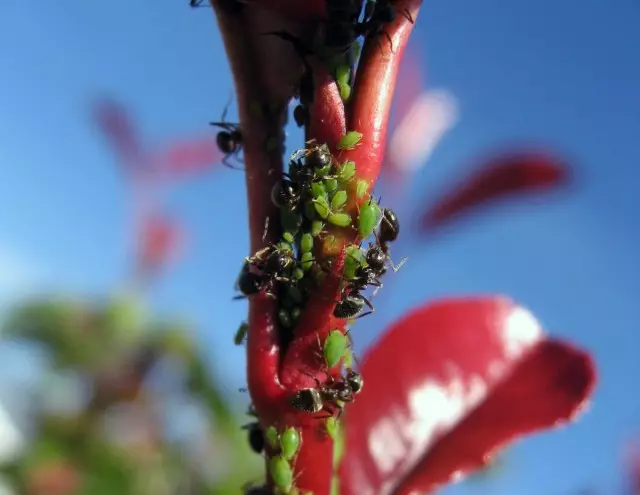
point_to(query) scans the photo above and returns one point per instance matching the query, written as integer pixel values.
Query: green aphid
(294, 293)
(272, 143)
(284, 247)
(353, 261)
(346, 172)
(289, 443)
(368, 218)
(361, 188)
(241, 333)
(295, 315)
(288, 237)
(298, 273)
(272, 437)
(306, 261)
(330, 185)
(338, 445)
(348, 358)
(290, 221)
(285, 319)
(281, 473)
(318, 190)
(338, 200)
(332, 427)
(323, 172)
(331, 246)
(345, 91)
(342, 74)
(349, 140)
(321, 206)
(340, 219)
(310, 210)
(255, 109)
(306, 243)
(287, 302)
(316, 227)
(334, 348)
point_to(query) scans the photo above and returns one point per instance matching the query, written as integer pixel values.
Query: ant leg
(368, 303)
(394, 267)
(237, 298)
(362, 315)
(226, 107)
(223, 125)
(225, 162)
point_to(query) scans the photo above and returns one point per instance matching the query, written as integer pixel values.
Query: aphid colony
(313, 194)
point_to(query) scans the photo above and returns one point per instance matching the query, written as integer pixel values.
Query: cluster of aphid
(311, 195)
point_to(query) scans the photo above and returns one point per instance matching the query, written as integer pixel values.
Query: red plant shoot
(306, 268)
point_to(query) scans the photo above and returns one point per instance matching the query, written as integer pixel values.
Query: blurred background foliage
(103, 417)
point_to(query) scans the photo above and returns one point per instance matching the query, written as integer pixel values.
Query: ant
(388, 231)
(229, 139)
(272, 263)
(351, 304)
(329, 397)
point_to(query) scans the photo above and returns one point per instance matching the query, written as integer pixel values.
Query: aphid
(281, 473)
(241, 333)
(349, 140)
(289, 443)
(351, 305)
(272, 437)
(334, 348)
(368, 218)
(285, 194)
(256, 436)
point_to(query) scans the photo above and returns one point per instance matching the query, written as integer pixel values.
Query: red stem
(266, 77)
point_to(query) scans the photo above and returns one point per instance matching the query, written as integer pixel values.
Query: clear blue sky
(562, 73)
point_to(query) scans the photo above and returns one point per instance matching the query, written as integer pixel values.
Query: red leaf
(160, 240)
(190, 156)
(114, 122)
(507, 174)
(450, 383)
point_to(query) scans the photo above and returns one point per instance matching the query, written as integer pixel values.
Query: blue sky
(561, 73)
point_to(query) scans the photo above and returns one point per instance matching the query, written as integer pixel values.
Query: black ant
(272, 264)
(229, 140)
(285, 194)
(388, 231)
(329, 397)
(351, 304)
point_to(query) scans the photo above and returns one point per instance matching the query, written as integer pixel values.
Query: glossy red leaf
(449, 384)
(190, 156)
(507, 174)
(113, 120)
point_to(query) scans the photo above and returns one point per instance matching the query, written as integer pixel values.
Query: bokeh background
(562, 75)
